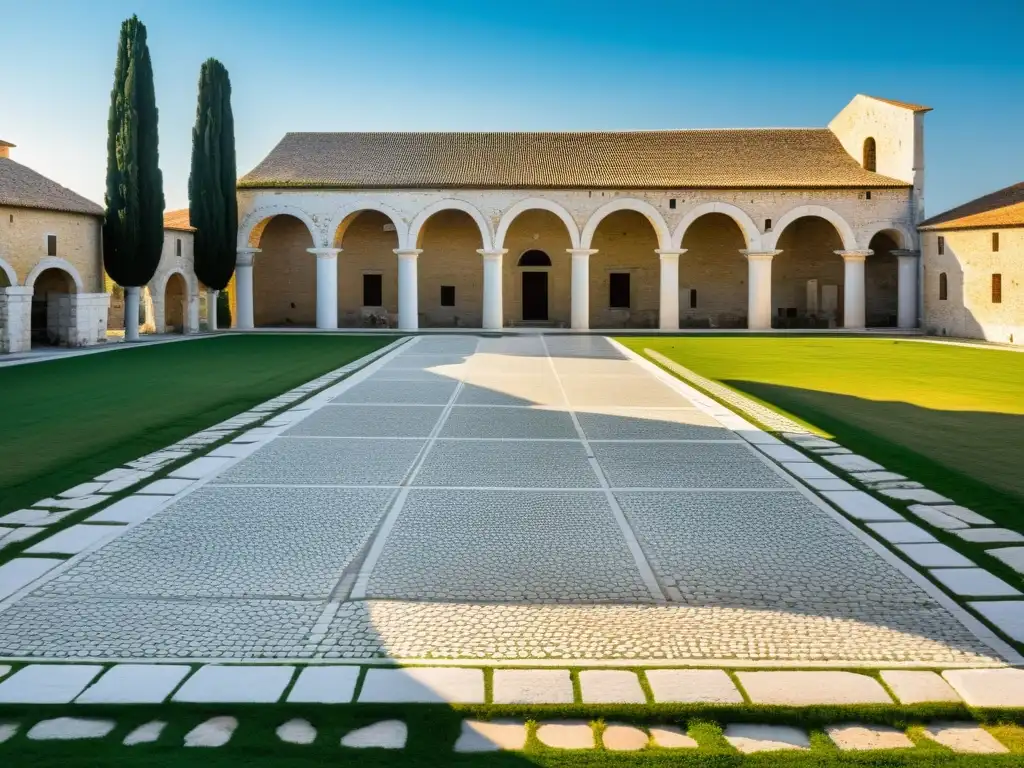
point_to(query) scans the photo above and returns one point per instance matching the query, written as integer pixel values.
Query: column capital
(905, 253)
(17, 290)
(495, 253)
(581, 251)
(324, 253)
(670, 253)
(408, 253)
(244, 256)
(759, 255)
(854, 255)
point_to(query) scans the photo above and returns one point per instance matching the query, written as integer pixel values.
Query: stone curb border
(758, 440)
(21, 576)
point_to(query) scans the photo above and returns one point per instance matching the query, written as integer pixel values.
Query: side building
(974, 269)
(51, 263)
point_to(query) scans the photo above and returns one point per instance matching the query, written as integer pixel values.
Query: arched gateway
(643, 229)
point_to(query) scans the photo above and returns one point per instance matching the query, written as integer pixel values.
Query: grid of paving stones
(477, 492)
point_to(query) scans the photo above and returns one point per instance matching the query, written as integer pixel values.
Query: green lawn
(950, 417)
(65, 421)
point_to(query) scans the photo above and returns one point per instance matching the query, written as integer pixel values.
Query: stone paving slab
(918, 687)
(922, 495)
(70, 729)
(47, 683)
(933, 516)
(523, 423)
(670, 737)
(19, 534)
(168, 486)
(22, 571)
(75, 539)
(807, 470)
(398, 392)
(145, 734)
(491, 736)
(934, 555)
(990, 535)
(988, 687)
(36, 517)
(368, 421)
(230, 684)
(861, 506)
(609, 686)
(690, 686)
(532, 686)
(618, 737)
(135, 684)
(973, 582)
(607, 423)
(685, 465)
(387, 734)
(432, 685)
(1012, 556)
(957, 512)
(858, 738)
(566, 734)
(132, 509)
(902, 533)
(296, 731)
(325, 685)
(968, 738)
(783, 453)
(802, 689)
(507, 464)
(215, 732)
(200, 468)
(853, 463)
(750, 738)
(1008, 615)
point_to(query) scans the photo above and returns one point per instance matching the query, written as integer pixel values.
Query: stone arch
(250, 231)
(642, 207)
(416, 228)
(174, 295)
(7, 272)
(713, 273)
(284, 273)
(345, 215)
(870, 154)
(53, 262)
(746, 224)
(897, 231)
(191, 282)
(844, 230)
(537, 203)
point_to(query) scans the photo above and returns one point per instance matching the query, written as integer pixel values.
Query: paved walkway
(529, 497)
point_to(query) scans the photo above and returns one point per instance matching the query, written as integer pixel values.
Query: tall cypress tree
(133, 229)
(213, 208)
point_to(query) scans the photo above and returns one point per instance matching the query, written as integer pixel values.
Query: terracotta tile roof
(22, 187)
(179, 219)
(744, 158)
(904, 104)
(1003, 208)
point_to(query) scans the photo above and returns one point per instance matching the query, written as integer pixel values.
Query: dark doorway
(535, 296)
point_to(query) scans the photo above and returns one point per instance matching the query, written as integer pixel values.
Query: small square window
(867, 195)
(693, 298)
(672, 203)
(767, 224)
(995, 241)
(997, 289)
(447, 295)
(177, 246)
(942, 245)
(373, 290)
(51, 245)
(618, 290)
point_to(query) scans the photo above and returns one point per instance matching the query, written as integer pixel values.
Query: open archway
(713, 274)
(808, 276)
(367, 269)
(284, 273)
(175, 304)
(51, 311)
(450, 269)
(625, 272)
(881, 281)
(537, 270)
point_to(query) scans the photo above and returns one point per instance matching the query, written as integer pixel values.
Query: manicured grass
(950, 417)
(66, 421)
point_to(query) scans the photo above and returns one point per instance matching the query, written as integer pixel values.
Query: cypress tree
(213, 209)
(133, 229)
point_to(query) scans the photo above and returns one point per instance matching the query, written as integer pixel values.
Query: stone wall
(969, 263)
(284, 275)
(23, 242)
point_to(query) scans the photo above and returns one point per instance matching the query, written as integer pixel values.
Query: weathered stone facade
(969, 264)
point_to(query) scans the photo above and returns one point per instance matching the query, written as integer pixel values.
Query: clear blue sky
(335, 65)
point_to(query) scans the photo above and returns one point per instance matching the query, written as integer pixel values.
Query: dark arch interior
(534, 258)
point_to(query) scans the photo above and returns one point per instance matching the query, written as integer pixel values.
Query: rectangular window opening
(693, 298)
(942, 245)
(618, 290)
(177, 246)
(995, 241)
(997, 288)
(373, 290)
(447, 295)
(767, 224)
(867, 195)
(51, 245)
(672, 202)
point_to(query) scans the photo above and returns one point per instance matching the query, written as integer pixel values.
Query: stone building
(754, 228)
(974, 268)
(171, 301)
(51, 264)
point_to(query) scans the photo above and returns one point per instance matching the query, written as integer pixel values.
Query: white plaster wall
(171, 263)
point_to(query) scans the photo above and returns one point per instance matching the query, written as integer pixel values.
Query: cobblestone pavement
(505, 498)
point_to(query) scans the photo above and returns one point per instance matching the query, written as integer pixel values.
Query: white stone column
(493, 315)
(15, 319)
(192, 314)
(131, 313)
(759, 289)
(326, 286)
(668, 304)
(408, 288)
(212, 296)
(906, 308)
(854, 297)
(579, 302)
(243, 319)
